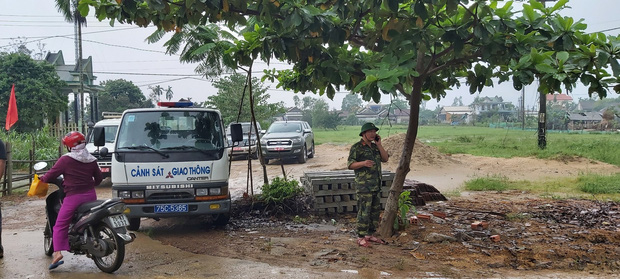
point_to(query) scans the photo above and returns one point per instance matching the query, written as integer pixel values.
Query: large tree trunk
(386, 228)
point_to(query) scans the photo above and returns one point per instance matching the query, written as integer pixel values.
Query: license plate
(105, 169)
(279, 149)
(237, 148)
(171, 208)
(118, 221)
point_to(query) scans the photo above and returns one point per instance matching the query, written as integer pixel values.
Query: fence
(15, 176)
(58, 131)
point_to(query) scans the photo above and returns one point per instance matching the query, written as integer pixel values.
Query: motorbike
(98, 229)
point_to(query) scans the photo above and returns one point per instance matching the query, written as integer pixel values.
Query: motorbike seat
(87, 206)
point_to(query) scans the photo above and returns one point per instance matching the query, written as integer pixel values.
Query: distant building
(70, 74)
(561, 100)
(367, 115)
(584, 120)
(586, 105)
(495, 104)
(454, 115)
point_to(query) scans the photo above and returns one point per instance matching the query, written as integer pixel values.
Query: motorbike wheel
(114, 260)
(48, 245)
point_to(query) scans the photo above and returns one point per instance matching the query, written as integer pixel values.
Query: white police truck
(171, 161)
(110, 124)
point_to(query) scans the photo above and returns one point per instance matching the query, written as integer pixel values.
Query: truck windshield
(284, 127)
(110, 133)
(171, 129)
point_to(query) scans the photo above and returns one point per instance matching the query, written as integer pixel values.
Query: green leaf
(529, 13)
(558, 5)
(602, 59)
(84, 9)
(420, 9)
(452, 7)
(615, 66)
(393, 5)
(546, 68)
(562, 56)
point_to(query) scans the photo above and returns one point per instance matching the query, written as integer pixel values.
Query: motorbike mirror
(39, 166)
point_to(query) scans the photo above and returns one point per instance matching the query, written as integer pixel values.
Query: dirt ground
(538, 238)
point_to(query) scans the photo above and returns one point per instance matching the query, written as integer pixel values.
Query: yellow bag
(38, 188)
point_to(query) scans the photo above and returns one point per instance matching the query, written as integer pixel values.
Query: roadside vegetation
(506, 143)
(489, 142)
(45, 144)
(585, 186)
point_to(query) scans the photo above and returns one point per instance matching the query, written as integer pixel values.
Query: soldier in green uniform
(365, 159)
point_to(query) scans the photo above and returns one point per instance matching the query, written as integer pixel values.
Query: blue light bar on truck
(175, 104)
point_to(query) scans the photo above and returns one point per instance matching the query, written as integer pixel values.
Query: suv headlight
(297, 140)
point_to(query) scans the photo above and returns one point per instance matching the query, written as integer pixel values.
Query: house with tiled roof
(455, 114)
(561, 100)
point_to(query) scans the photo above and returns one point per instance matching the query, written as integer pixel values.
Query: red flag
(11, 114)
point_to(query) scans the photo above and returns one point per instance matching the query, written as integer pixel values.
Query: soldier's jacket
(367, 179)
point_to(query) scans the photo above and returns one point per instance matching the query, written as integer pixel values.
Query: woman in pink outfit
(81, 175)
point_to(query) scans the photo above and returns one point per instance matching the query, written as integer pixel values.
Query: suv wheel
(311, 155)
(303, 157)
(266, 161)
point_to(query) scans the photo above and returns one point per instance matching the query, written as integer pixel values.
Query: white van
(171, 161)
(105, 162)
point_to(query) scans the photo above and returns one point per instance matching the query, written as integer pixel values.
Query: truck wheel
(255, 155)
(134, 224)
(303, 157)
(311, 155)
(221, 219)
(266, 161)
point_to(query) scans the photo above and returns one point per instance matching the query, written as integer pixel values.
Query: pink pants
(60, 238)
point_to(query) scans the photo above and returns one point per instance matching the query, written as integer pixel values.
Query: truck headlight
(202, 192)
(215, 191)
(263, 142)
(297, 140)
(124, 194)
(137, 194)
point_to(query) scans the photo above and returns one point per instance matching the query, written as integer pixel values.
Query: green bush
(46, 145)
(489, 183)
(599, 184)
(279, 191)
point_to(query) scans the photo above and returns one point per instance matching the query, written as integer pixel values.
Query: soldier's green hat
(368, 126)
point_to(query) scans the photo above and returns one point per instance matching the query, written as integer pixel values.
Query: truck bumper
(194, 208)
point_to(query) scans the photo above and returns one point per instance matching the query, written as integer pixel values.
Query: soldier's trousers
(368, 210)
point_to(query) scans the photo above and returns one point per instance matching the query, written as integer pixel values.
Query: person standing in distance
(365, 159)
(2, 167)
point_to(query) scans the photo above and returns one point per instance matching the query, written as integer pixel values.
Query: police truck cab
(171, 161)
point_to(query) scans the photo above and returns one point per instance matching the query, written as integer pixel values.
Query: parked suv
(249, 140)
(288, 139)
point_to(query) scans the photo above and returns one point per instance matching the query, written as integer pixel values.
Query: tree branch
(453, 62)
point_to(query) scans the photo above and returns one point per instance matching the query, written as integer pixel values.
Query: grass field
(491, 142)
(505, 143)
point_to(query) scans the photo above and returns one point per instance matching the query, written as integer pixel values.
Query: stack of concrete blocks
(334, 191)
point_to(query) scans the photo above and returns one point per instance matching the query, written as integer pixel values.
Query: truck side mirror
(99, 136)
(103, 152)
(236, 132)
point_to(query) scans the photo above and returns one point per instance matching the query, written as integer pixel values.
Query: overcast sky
(121, 51)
